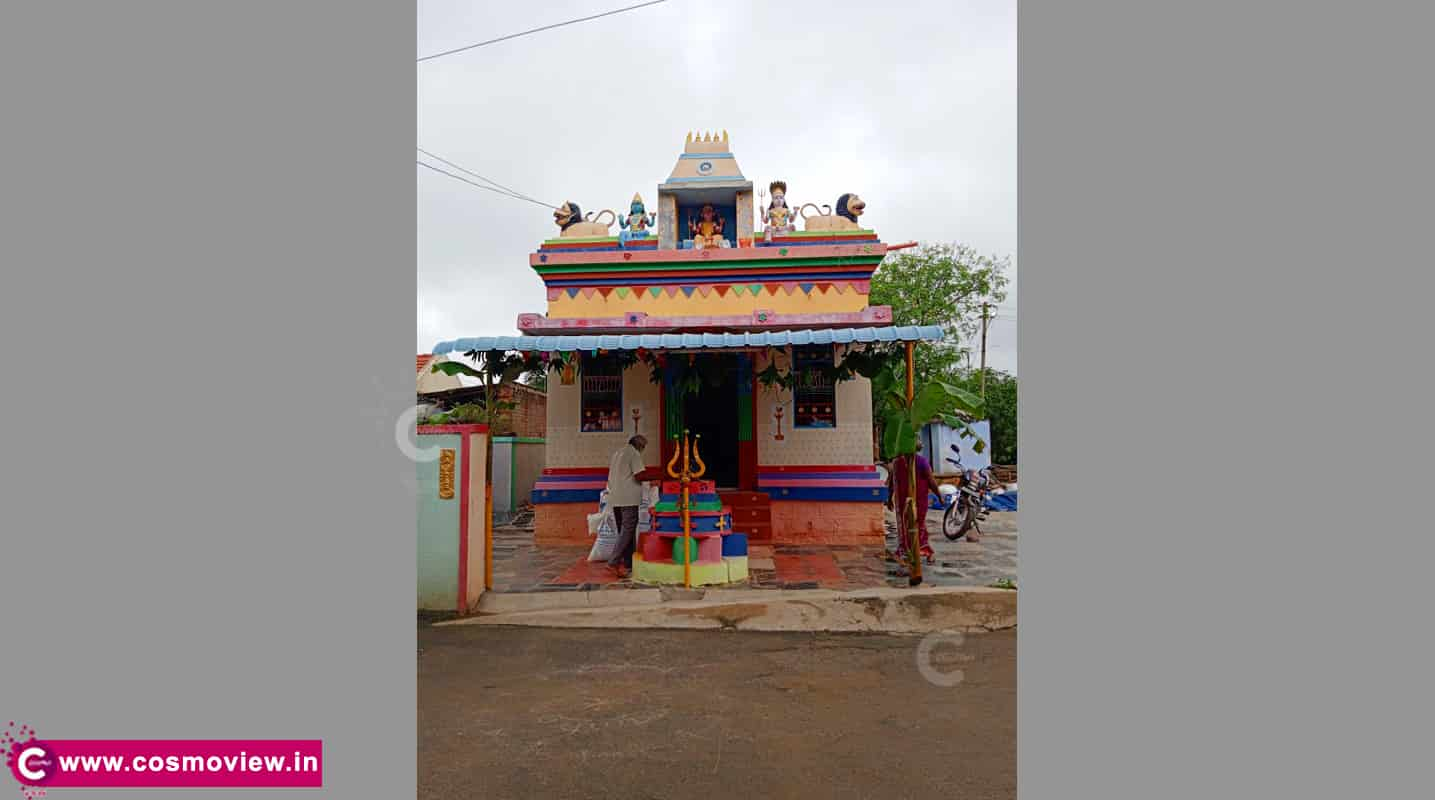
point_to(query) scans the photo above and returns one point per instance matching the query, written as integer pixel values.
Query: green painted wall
(438, 528)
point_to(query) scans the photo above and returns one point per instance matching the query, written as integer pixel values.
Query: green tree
(940, 284)
(1000, 409)
(902, 417)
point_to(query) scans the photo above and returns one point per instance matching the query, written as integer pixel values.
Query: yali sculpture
(571, 222)
(849, 208)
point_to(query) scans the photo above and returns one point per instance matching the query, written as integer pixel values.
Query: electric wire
(536, 30)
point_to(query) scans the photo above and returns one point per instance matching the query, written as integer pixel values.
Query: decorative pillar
(744, 219)
(667, 221)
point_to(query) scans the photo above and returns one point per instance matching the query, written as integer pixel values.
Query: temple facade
(722, 313)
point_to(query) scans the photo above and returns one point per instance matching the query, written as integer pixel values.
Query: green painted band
(715, 505)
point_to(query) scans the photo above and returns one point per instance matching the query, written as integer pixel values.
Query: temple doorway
(713, 413)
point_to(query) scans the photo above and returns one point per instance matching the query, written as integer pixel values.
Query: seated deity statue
(777, 217)
(636, 224)
(708, 229)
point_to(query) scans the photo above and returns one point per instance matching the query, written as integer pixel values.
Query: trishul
(687, 476)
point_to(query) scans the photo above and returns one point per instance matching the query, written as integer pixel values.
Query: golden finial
(708, 136)
(724, 135)
(690, 137)
(637, 198)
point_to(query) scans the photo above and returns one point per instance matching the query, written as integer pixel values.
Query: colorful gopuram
(723, 314)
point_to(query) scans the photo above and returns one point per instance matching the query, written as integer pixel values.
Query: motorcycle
(966, 504)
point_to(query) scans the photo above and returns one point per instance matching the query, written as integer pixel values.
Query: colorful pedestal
(719, 554)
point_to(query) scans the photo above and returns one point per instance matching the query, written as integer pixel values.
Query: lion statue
(571, 222)
(849, 208)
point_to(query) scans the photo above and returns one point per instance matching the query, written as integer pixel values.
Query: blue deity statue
(636, 224)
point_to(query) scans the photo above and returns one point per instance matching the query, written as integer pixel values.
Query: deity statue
(777, 217)
(707, 231)
(636, 224)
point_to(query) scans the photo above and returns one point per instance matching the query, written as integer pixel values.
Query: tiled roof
(687, 341)
(424, 359)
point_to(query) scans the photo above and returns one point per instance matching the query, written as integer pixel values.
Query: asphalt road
(534, 712)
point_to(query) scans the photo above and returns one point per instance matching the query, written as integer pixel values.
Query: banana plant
(496, 369)
(902, 419)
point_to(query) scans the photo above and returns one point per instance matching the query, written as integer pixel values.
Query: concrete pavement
(884, 610)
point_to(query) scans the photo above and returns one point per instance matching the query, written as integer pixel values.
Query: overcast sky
(911, 105)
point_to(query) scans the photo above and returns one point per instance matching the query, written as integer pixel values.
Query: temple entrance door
(713, 413)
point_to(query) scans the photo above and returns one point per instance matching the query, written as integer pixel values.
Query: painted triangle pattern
(623, 291)
(672, 291)
(688, 291)
(588, 292)
(705, 289)
(605, 291)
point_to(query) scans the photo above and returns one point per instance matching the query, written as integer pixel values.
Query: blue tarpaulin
(1002, 502)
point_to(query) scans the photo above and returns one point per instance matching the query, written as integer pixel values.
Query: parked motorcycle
(967, 503)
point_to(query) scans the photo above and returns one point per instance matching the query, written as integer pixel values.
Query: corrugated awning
(689, 341)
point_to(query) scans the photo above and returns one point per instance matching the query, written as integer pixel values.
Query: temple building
(716, 314)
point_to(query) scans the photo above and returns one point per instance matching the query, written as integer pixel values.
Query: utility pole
(985, 308)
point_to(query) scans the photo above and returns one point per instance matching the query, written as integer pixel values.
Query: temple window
(814, 395)
(601, 405)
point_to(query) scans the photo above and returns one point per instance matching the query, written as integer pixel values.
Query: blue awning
(689, 341)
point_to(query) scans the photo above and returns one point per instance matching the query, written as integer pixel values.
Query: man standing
(625, 492)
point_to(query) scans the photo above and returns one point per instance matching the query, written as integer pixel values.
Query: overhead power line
(536, 30)
(477, 185)
(461, 168)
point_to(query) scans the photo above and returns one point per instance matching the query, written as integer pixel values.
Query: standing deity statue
(636, 224)
(777, 217)
(708, 230)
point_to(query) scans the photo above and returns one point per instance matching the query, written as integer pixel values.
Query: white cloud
(911, 105)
